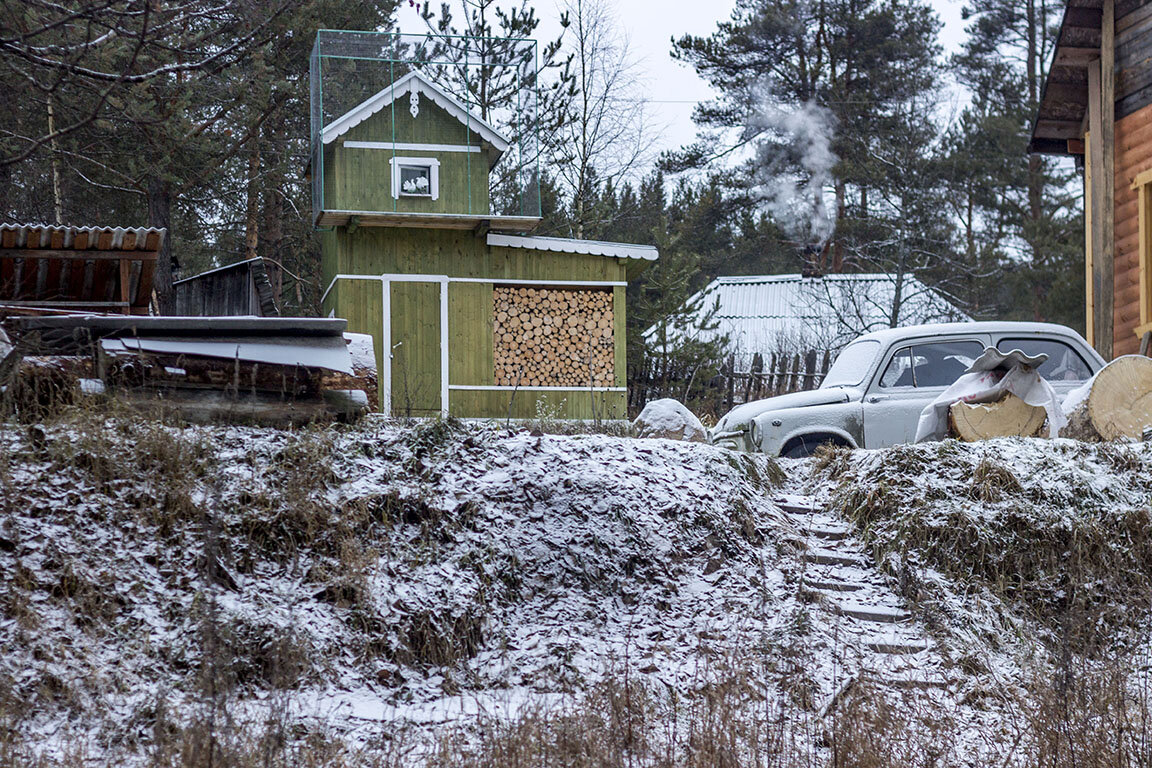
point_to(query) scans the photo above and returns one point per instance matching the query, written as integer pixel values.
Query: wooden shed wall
(415, 315)
(221, 293)
(357, 179)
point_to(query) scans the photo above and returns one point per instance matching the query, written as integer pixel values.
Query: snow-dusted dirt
(382, 576)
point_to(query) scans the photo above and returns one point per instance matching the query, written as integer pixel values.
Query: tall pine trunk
(160, 215)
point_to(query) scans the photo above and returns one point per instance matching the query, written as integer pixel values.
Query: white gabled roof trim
(414, 80)
(572, 245)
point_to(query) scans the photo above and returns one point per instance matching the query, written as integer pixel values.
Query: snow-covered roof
(418, 82)
(572, 245)
(790, 313)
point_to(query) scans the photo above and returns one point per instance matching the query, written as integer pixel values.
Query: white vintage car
(874, 392)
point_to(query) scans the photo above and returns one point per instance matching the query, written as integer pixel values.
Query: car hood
(742, 414)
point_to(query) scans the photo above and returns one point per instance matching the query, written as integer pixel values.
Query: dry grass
(1083, 573)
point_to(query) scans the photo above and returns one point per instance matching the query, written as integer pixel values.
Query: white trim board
(398, 146)
(398, 278)
(511, 281)
(413, 81)
(510, 388)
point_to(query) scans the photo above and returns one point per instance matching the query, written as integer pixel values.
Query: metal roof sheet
(790, 313)
(573, 245)
(39, 236)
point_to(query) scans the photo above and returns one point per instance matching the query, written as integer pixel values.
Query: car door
(915, 373)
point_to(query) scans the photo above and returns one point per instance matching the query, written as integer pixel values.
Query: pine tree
(1022, 213)
(813, 90)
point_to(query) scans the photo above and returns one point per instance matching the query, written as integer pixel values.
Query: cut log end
(1007, 417)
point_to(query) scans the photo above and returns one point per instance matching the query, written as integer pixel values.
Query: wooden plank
(144, 284)
(470, 334)
(53, 275)
(415, 316)
(620, 335)
(1071, 56)
(1105, 281)
(1090, 223)
(125, 282)
(577, 404)
(1058, 129)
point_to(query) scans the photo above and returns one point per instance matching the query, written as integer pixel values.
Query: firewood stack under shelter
(553, 337)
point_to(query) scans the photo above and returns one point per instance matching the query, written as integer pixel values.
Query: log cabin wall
(1133, 156)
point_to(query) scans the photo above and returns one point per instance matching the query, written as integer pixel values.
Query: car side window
(899, 370)
(1063, 364)
(935, 364)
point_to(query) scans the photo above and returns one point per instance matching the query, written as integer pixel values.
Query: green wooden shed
(471, 315)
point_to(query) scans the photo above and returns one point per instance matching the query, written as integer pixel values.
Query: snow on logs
(553, 337)
(1115, 404)
(1007, 417)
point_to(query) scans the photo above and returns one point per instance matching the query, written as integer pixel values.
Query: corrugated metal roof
(790, 313)
(574, 245)
(38, 236)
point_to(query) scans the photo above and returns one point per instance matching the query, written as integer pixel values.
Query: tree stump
(1007, 417)
(1118, 405)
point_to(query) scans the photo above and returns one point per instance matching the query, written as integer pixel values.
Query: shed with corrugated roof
(46, 268)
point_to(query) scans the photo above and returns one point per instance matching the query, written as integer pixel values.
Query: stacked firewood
(548, 337)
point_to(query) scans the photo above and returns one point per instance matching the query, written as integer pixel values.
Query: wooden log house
(1097, 106)
(471, 316)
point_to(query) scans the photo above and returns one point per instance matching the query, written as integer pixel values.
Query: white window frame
(430, 163)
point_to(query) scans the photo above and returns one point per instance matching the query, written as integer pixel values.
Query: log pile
(1118, 403)
(1007, 417)
(546, 337)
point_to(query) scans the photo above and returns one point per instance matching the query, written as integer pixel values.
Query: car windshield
(852, 365)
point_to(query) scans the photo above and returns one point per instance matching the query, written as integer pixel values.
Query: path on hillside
(880, 641)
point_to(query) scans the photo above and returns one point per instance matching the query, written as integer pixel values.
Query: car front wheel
(805, 445)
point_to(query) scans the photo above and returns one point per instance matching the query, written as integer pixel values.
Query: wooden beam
(1058, 129)
(54, 253)
(1090, 233)
(1075, 146)
(1074, 56)
(1094, 182)
(1105, 267)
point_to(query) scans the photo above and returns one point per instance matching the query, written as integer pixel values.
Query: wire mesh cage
(423, 124)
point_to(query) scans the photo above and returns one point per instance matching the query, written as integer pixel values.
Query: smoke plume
(794, 169)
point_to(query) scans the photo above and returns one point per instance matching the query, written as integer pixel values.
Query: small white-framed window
(416, 177)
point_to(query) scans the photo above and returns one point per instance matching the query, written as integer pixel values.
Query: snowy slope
(383, 575)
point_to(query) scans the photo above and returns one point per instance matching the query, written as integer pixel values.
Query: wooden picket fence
(774, 374)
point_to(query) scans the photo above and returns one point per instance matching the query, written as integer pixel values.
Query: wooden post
(125, 283)
(1108, 113)
(1102, 156)
(731, 379)
(793, 383)
(809, 369)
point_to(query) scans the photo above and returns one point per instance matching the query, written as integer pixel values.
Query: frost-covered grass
(463, 594)
(1058, 530)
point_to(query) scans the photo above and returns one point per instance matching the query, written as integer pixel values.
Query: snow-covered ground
(386, 576)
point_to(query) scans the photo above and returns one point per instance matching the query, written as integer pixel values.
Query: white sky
(673, 89)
